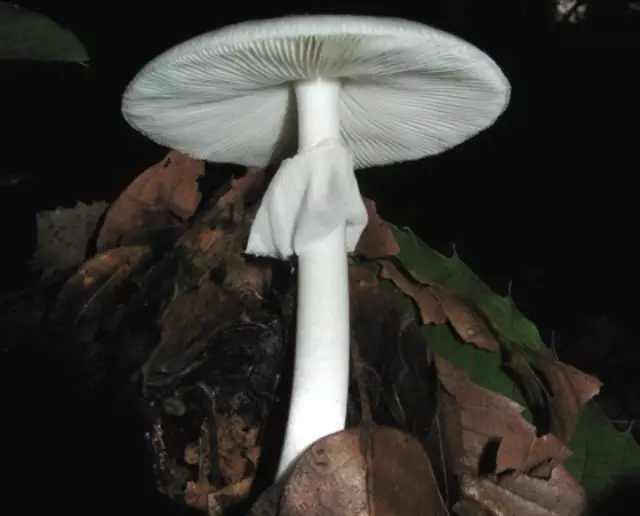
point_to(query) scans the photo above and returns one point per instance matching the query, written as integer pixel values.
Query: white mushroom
(359, 91)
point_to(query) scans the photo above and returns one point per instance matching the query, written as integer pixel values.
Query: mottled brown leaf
(466, 322)
(163, 196)
(431, 310)
(363, 471)
(487, 417)
(377, 240)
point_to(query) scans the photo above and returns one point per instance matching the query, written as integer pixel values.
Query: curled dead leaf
(163, 196)
(377, 240)
(431, 310)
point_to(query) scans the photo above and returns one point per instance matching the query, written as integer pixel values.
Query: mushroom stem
(321, 371)
(318, 117)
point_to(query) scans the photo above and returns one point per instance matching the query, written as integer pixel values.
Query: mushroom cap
(408, 90)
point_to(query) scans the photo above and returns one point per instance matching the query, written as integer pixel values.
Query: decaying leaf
(363, 471)
(93, 290)
(162, 198)
(214, 391)
(377, 240)
(63, 236)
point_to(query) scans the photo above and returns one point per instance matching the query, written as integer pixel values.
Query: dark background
(545, 199)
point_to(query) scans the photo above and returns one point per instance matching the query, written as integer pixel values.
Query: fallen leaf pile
(456, 406)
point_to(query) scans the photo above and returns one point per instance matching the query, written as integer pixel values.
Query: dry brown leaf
(487, 417)
(559, 388)
(392, 476)
(377, 240)
(92, 290)
(465, 321)
(163, 196)
(431, 310)
(570, 390)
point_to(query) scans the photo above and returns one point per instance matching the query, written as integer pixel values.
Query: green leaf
(31, 36)
(600, 452)
(426, 265)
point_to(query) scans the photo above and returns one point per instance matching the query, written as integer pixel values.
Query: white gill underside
(399, 99)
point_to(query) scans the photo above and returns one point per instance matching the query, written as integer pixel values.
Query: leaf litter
(455, 404)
